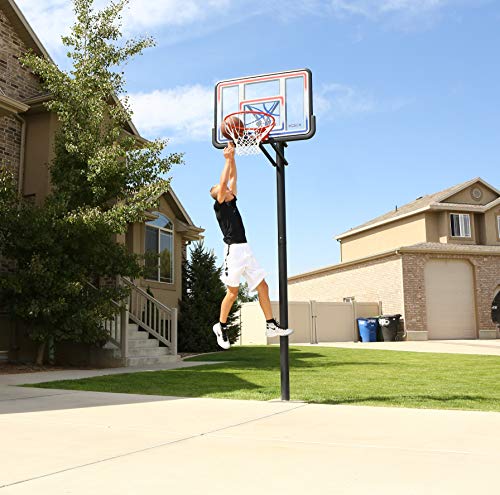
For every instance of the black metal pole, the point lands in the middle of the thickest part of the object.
(283, 275)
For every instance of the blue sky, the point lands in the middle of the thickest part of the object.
(407, 98)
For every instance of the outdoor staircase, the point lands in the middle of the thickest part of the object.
(143, 331)
(146, 351)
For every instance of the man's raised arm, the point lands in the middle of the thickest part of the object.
(233, 175)
(226, 171)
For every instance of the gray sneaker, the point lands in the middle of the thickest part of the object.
(273, 329)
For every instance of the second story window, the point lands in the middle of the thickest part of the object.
(159, 249)
(498, 226)
(460, 225)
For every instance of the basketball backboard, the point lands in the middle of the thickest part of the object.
(287, 96)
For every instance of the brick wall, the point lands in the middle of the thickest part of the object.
(487, 273)
(414, 291)
(10, 142)
(486, 278)
(376, 280)
(16, 82)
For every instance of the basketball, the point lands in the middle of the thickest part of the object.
(232, 127)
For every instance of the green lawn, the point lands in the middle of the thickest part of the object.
(323, 375)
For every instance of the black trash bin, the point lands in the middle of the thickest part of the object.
(495, 309)
(390, 326)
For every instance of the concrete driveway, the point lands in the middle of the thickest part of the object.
(67, 442)
(485, 347)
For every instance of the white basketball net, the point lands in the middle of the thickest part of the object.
(258, 125)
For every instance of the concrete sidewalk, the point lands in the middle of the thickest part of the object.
(59, 441)
(76, 374)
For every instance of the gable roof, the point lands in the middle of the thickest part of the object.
(177, 205)
(422, 204)
(183, 222)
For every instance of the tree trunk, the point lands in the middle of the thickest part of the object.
(52, 350)
(40, 353)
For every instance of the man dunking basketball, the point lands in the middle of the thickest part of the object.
(239, 259)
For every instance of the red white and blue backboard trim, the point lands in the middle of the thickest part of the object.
(287, 96)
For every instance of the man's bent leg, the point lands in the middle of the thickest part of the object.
(273, 328)
(227, 303)
(264, 301)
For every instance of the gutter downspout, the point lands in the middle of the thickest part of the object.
(22, 154)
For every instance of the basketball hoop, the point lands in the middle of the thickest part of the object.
(247, 130)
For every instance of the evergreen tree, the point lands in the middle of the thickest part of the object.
(244, 295)
(203, 292)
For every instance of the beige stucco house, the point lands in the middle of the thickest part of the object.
(27, 132)
(435, 260)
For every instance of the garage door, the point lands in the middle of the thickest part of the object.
(449, 290)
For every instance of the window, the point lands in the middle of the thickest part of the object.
(460, 225)
(498, 226)
(159, 250)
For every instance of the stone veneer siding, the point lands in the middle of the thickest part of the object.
(371, 281)
(10, 142)
(486, 279)
(17, 83)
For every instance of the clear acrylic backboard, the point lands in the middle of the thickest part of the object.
(287, 96)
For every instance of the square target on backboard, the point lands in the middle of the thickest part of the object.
(287, 96)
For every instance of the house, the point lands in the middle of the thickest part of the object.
(27, 132)
(435, 260)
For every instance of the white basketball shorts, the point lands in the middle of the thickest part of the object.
(239, 261)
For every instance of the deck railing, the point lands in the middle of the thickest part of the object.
(117, 326)
(153, 316)
(143, 309)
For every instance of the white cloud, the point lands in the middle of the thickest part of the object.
(186, 19)
(376, 8)
(334, 101)
(53, 18)
(50, 19)
(184, 113)
(405, 15)
(171, 12)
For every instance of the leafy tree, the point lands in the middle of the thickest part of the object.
(203, 292)
(102, 179)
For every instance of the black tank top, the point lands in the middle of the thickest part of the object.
(230, 222)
